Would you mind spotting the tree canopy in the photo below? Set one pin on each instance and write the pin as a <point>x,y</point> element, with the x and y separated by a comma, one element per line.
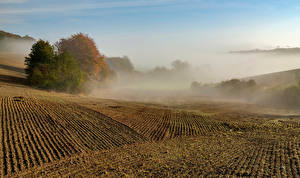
<point>120,64</point>
<point>68,65</point>
<point>90,60</point>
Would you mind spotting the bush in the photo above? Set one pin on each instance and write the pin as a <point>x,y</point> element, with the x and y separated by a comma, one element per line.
<point>282,97</point>
<point>291,96</point>
<point>237,88</point>
<point>195,85</point>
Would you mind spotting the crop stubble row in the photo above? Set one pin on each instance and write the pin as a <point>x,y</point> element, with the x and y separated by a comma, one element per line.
<point>29,136</point>
<point>161,124</point>
<point>34,132</point>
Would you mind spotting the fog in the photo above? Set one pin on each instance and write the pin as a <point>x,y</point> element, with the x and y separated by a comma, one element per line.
<point>227,66</point>
<point>179,74</point>
<point>12,56</point>
<point>18,46</point>
<point>173,82</point>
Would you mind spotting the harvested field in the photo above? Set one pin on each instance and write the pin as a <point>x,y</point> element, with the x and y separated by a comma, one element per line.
<point>159,124</point>
<point>161,121</point>
<point>237,155</point>
<point>45,133</point>
<point>32,134</point>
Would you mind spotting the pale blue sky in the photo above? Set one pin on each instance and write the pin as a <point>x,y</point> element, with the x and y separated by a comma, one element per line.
<point>155,32</point>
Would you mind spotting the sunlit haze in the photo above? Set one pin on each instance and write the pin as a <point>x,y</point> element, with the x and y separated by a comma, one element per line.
<point>150,88</point>
<point>155,32</point>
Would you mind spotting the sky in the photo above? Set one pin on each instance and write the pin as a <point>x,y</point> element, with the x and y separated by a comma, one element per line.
<point>156,32</point>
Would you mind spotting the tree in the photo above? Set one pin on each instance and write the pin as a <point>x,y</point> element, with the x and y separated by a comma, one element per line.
<point>195,85</point>
<point>120,64</point>
<point>48,70</point>
<point>39,61</point>
<point>179,65</point>
<point>68,75</point>
<point>84,50</point>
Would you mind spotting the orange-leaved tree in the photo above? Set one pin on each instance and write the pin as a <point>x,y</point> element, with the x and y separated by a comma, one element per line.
<point>90,60</point>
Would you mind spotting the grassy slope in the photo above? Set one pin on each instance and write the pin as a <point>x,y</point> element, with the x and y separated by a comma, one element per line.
<point>284,78</point>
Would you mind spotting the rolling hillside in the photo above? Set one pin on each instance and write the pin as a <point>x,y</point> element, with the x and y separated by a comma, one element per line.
<point>14,43</point>
<point>45,133</point>
<point>284,78</point>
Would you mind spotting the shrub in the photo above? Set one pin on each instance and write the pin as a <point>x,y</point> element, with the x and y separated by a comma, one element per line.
<point>291,96</point>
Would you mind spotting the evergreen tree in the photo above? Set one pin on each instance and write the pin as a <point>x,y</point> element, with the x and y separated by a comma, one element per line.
<point>48,70</point>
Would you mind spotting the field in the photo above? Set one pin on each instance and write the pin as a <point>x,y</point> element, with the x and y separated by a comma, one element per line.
<point>44,133</point>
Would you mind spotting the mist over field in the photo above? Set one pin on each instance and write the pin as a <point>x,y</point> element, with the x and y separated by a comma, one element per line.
<point>175,79</point>
<point>15,46</point>
<point>149,88</point>
<point>210,69</point>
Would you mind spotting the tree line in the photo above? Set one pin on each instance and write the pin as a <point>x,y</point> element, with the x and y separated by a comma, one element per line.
<point>67,65</point>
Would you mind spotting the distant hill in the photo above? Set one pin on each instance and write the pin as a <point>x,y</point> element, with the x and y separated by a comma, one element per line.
<point>10,42</point>
<point>7,35</point>
<point>276,51</point>
<point>283,78</point>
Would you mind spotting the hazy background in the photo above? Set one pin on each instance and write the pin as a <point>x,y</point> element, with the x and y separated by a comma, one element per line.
<point>156,32</point>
